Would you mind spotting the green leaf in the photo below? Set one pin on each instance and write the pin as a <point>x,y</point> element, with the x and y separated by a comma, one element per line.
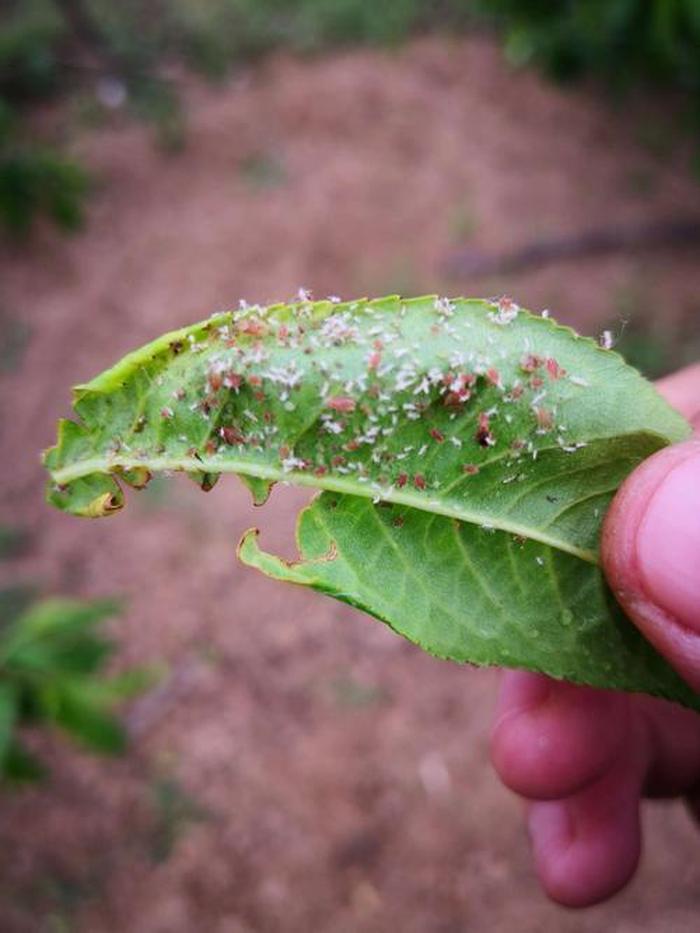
<point>21,765</point>
<point>55,634</point>
<point>467,452</point>
<point>8,716</point>
<point>78,709</point>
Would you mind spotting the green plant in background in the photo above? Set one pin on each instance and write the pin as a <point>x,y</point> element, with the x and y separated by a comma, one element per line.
<point>52,675</point>
<point>466,452</point>
<point>624,41</point>
<point>35,178</point>
<point>215,35</point>
<point>121,53</point>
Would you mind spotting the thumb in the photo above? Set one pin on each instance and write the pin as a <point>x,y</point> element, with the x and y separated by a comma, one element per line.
<point>651,553</point>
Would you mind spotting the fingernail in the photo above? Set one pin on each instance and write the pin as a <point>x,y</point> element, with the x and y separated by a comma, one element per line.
<point>668,542</point>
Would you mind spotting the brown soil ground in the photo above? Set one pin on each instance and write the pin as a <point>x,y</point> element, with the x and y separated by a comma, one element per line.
<point>302,768</point>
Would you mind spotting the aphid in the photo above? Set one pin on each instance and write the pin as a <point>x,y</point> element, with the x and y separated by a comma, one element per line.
<point>471,469</point>
<point>340,403</point>
<point>401,480</point>
<point>338,461</point>
<point>232,381</point>
<point>320,471</point>
<point>374,360</point>
<point>166,412</point>
<point>397,522</point>
<point>507,311</point>
<point>254,380</point>
<point>530,362</point>
<point>176,346</point>
<point>545,419</point>
<point>493,377</point>
<point>252,326</point>
<point>536,382</point>
<point>460,389</point>
<point>179,394</point>
<point>606,340</point>
<point>206,405</point>
<point>210,447</point>
<point>419,481</point>
<point>437,435</point>
<point>554,369</point>
<point>231,436</point>
<point>483,435</point>
<point>215,380</point>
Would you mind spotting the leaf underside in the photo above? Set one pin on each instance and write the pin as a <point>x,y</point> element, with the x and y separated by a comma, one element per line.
<point>466,452</point>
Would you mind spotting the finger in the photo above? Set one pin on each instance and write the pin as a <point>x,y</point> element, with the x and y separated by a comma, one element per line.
<point>551,738</point>
<point>587,846</point>
<point>651,553</point>
<point>674,747</point>
<point>682,390</point>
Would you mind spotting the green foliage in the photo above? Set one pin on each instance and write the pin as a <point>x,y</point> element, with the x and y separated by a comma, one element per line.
<point>466,452</point>
<point>624,41</point>
<point>51,674</point>
<point>30,36</point>
<point>36,181</point>
<point>215,35</point>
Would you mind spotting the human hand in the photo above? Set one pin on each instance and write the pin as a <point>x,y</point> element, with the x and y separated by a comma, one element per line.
<point>584,758</point>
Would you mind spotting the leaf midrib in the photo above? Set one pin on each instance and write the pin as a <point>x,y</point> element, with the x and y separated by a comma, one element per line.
<point>347,486</point>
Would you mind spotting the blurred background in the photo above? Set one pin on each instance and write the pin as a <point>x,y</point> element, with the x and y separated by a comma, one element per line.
<point>280,762</point>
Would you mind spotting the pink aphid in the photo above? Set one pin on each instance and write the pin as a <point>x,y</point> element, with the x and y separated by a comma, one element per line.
<point>493,377</point>
<point>483,435</point>
<point>232,381</point>
<point>545,419</point>
<point>215,380</point>
<point>554,369</point>
<point>231,436</point>
<point>374,360</point>
<point>530,362</point>
<point>340,403</point>
<point>460,388</point>
<point>252,326</point>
